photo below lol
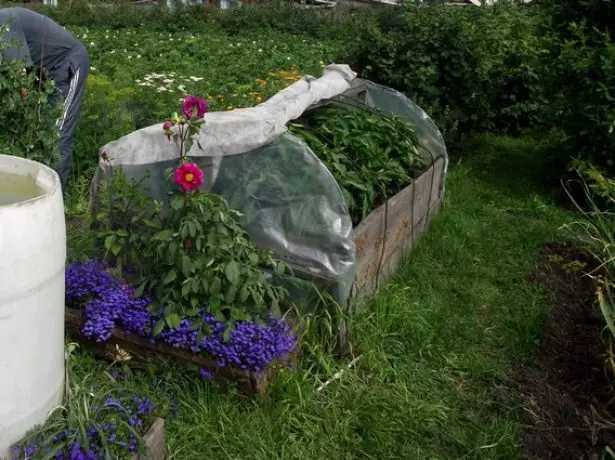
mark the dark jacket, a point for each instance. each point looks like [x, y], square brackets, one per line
[43, 43]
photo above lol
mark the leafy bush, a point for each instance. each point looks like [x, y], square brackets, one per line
[471, 69]
[27, 118]
[280, 16]
[598, 14]
[283, 17]
[583, 100]
[371, 156]
[192, 253]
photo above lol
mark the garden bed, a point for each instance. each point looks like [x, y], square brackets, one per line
[568, 389]
[383, 236]
[141, 349]
[389, 184]
[106, 315]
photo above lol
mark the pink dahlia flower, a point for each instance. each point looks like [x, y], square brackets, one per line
[189, 177]
[194, 107]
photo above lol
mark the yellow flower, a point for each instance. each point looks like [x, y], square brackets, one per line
[230, 107]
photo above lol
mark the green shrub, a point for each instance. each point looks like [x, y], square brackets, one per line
[281, 16]
[583, 103]
[370, 155]
[471, 69]
[28, 120]
[597, 14]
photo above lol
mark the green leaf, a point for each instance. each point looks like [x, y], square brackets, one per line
[193, 311]
[226, 336]
[280, 269]
[164, 235]
[172, 254]
[257, 298]
[177, 202]
[231, 293]
[186, 289]
[232, 272]
[171, 276]
[159, 327]
[168, 310]
[253, 259]
[196, 325]
[154, 308]
[244, 293]
[214, 287]
[110, 241]
[140, 290]
[187, 266]
[173, 320]
[240, 314]
[214, 306]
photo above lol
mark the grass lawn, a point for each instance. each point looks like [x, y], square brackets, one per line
[436, 345]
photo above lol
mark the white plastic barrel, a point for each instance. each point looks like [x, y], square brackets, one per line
[32, 260]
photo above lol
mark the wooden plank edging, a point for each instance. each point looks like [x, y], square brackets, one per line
[380, 243]
[141, 349]
[154, 442]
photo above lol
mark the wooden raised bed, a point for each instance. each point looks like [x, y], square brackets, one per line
[141, 349]
[154, 442]
[383, 236]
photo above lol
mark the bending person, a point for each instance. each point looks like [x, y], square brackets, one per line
[47, 45]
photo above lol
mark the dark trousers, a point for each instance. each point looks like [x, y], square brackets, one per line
[70, 79]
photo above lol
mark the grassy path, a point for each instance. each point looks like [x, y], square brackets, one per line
[436, 345]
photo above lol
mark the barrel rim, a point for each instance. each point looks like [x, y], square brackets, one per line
[49, 188]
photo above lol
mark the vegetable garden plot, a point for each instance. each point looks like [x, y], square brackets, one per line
[293, 199]
[210, 281]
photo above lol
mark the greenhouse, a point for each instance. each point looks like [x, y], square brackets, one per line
[258, 160]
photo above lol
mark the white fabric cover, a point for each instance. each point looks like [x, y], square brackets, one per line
[236, 131]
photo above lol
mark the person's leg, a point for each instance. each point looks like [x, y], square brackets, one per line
[72, 91]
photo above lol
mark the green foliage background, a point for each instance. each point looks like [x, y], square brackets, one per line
[28, 121]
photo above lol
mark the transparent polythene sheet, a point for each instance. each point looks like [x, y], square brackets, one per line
[364, 93]
[289, 200]
[291, 203]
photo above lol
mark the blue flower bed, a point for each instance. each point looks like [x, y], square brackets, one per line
[113, 429]
[108, 302]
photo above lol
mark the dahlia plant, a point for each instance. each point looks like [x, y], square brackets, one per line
[202, 256]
